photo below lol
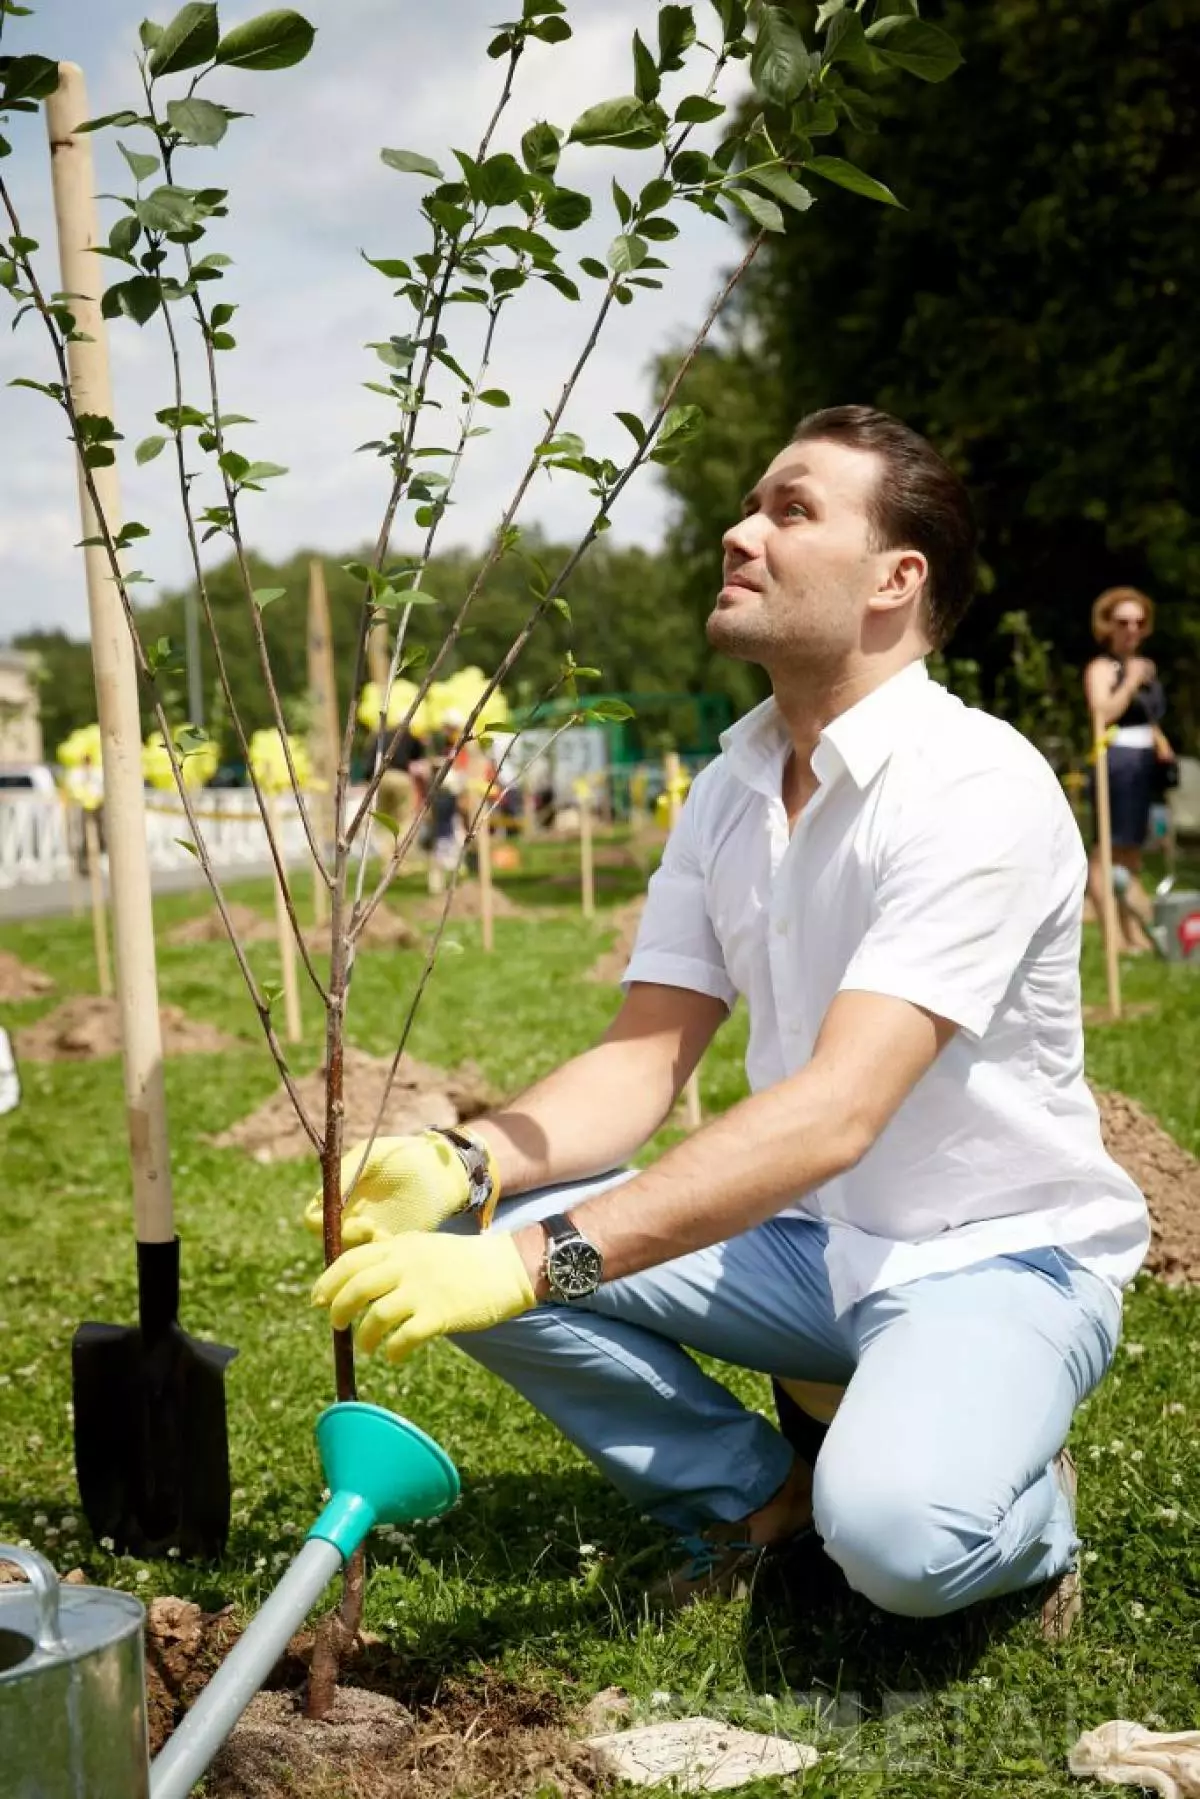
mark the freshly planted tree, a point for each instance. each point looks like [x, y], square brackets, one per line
[495, 223]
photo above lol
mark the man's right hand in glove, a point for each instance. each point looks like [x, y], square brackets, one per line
[411, 1183]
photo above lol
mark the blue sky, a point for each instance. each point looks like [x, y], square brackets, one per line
[308, 192]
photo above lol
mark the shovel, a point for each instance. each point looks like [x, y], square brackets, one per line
[151, 1449]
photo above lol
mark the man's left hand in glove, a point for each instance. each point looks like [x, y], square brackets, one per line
[412, 1288]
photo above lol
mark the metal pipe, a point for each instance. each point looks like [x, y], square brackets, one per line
[185, 1757]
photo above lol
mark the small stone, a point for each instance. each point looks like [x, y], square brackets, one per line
[700, 1755]
[606, 1710]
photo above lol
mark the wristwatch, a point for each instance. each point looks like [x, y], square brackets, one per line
[573, 1266]
[483, 1183]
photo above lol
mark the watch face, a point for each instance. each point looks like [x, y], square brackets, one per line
[574, 1268]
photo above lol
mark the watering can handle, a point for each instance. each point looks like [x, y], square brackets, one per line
[44, 1581]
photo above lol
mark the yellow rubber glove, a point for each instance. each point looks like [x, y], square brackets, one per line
[409, 1183]
[414, 1288]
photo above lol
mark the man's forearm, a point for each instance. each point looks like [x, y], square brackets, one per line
[590, 1115]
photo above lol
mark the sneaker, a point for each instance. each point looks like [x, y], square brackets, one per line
[1062, 1608]
[717, 1568]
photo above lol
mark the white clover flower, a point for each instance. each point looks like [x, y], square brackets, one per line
[587, 1549]
[41, 1520]
[1137, 1610]
[1117, 1446]
[260, 1562]
[1136, 1455]
[1134, 1350]
[1168, 1514]
[660, 1699]
[142, 1574]
[5, 1380]
[68, 1521]
[1091, 1555]
[173, 1553]
[107, 1543]
[1176, 1409]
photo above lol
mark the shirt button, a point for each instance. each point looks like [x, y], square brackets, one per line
[781, 928]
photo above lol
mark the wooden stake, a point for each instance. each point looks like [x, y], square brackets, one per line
[68, 813]
[283, 932]
[91, 838]
[324, 734]
[483, 844]
[116, 679]
[587, 876]
[672, 776]
[1108, 898]
[379, 660]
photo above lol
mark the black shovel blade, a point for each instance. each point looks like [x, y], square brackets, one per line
[151, 1436]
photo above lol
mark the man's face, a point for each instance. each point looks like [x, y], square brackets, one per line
[800, 569]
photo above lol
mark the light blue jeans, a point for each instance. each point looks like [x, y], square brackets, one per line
[934, 1487]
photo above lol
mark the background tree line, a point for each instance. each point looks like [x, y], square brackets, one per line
[1034, 309]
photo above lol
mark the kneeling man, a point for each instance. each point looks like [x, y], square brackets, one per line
[913, 1204]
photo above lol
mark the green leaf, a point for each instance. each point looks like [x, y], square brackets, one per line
[541, 148]
[846, 40]
[844, 174]
[563, 283]
[185, 843]
[593, 267]
[756, 206]
[566, 210]
[681, 427]
[197, 121]
[784, 187]
[661, 230]
[634, 426]
[779, 63]
[691, 167]
[122, 119]
[124, 235]
[189, 40]
[275, 40]
[921, 49]
[137, 299]
[656, 194]
[551, 31]
[263, 471]
[28, 78]
[626, 252]
[392, 267]
[829, 9]
[607, 711]
[500, 181]
[149, 33]
[622, 202]
[408, 162]
[646, 82]
[141, 166]
[612, 122]
[697, 109]
[676, 34]
[494, 396]
[265, 596]
[167, 209]
[148, 449]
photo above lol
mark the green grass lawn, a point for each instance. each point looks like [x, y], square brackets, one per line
[537, 1573]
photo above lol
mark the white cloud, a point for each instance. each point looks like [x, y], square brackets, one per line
[308, 191]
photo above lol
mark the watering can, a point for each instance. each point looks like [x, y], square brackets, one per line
[1176, 926]
[72, 1669]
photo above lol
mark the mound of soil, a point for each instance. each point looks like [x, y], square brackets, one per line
[251, 927]
[18, 981]
[489, 1738]
[86, 1027]
[421, 1096]
[468, 903]
[611, 965]
[1167, 1175]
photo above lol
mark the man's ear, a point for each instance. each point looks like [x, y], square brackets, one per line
[901, 582]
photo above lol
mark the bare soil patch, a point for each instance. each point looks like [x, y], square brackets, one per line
[397, 1732]
[422, 1096]
[87, 1027]
[1169, 1177]
[251, 927]
[18, 981]
[468, 903]
[611, 965]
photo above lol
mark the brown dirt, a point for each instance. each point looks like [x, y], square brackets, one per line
[1142, 1008]
[18, 981]
[488, 1738]
[468, 903]
[1170, 1179]
[611, 965]
[421, 1096]
[86, 1027]
[251, 927]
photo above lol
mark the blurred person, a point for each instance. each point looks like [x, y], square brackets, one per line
[912, 1215]
[1124, 693]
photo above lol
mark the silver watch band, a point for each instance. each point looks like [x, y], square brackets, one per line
[474, 1159]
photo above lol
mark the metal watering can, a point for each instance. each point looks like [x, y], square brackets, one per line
[1176, 926]
[72, 1664]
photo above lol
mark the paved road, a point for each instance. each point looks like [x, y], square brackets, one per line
[54, 899]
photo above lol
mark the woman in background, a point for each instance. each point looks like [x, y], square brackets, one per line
[1123, 690]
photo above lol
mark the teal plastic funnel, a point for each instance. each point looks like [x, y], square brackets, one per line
[380, 1469]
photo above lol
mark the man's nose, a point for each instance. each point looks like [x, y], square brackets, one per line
[744, 539]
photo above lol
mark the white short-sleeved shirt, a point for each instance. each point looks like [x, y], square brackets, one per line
[938, 861]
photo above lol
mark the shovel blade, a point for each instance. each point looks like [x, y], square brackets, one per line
[151, 1439]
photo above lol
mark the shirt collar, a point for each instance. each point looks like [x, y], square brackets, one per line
[862, 738]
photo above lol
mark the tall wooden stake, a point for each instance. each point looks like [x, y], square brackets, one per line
[116, 678]
[324, 733]
[91, 838]
[587, 875]
[283, 931]
[483, 844]
[1108, 898]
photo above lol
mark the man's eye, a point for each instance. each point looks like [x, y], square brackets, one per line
[797, 506]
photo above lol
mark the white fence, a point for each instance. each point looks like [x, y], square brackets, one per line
[39, 838]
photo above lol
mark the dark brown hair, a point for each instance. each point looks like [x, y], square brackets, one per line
[919, 502]
[1106, 605]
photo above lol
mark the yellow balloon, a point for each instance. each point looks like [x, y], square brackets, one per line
[269, 767]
